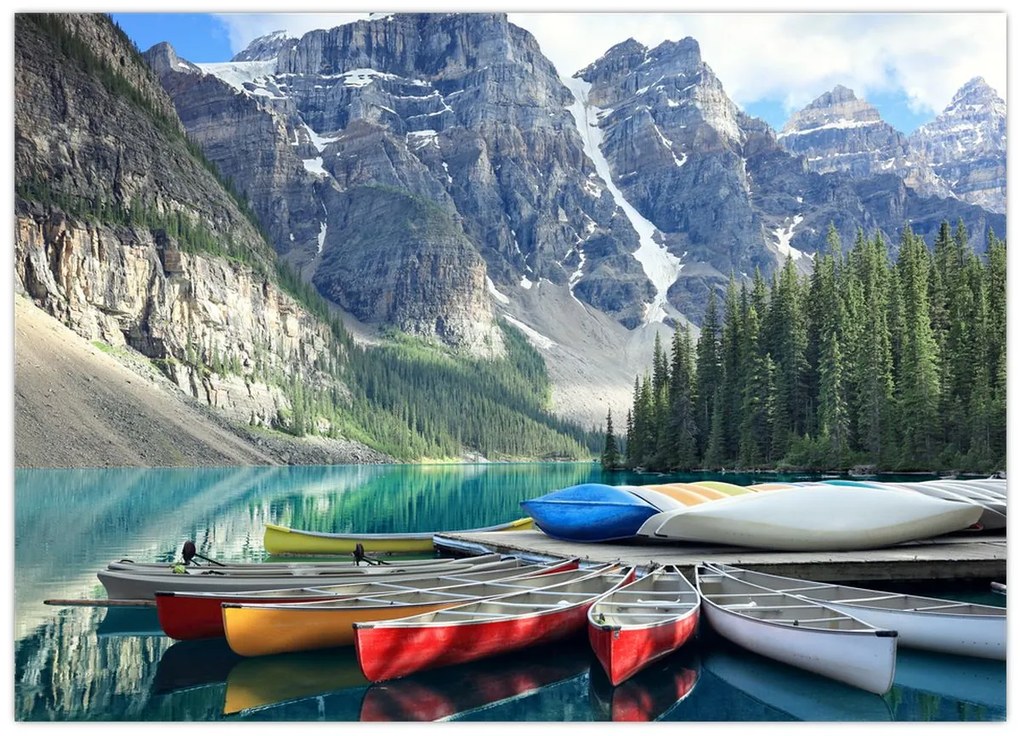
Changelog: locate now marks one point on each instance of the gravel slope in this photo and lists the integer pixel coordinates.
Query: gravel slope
(77, 406)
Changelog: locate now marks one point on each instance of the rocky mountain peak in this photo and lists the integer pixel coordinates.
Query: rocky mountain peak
(966, 144)
(976, 90)
(839, 107)
(162, 59)
(265, 47)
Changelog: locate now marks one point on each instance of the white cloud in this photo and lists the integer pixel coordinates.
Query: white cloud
(790, 58)
(794, 57)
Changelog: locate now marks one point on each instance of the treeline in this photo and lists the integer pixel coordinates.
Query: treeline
(901, 366)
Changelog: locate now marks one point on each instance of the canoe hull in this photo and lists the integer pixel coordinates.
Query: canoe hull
(624, 651)
(964, 635)
(186, 617)
(257, 631)
(282, 540)
(387, 653)
(590, 512)
(864, 660)
(819, 518)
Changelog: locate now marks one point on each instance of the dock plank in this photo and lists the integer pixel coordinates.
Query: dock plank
(950, 558)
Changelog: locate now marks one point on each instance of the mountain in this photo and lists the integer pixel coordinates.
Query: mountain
(722, 192)
(459, 115)
(839, 132)
(128, 235)
(966, 144)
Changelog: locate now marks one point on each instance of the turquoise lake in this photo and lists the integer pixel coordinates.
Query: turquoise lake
(95, 664)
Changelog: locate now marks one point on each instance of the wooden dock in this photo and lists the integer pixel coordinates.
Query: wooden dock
(950, 558)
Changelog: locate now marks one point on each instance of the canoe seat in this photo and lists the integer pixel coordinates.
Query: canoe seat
(796, 621)
(755, 607)
(650, 604)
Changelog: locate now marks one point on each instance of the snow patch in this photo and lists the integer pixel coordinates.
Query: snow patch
(496, 293)
(314, 165)
(237, 73)
(363, 77)
(661, 266)
(320, 142)
(526, 283)
(669, 147)
(841, 124)
(421, 138)
(537, 338)
(783, 237)
(322, 237)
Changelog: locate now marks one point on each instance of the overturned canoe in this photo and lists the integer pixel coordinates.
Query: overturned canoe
(590, 512)
(815, 518)
(282, 540)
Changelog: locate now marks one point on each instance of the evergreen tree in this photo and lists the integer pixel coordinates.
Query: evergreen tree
(610, 453)
(919, 388)
(708, 373)
(682, 428)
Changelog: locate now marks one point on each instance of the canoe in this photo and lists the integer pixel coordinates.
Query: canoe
(702, 491)
(654, 497)
(198, 615)
(684, 494)
(258, 629)
(730, 489)
(797, 631)
(132, 585)
(282, 540)
(288, 568)
(992, 517)
(648, 695)
(638, 624)
(936, 624)
(590, 512)
(814, 518)
(391, 649)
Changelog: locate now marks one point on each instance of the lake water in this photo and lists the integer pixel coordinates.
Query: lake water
(94, 664)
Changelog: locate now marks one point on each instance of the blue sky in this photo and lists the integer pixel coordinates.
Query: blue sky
(906, 64)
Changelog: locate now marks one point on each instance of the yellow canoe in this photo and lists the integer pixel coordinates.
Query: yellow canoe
(685, 494)
(282, 540)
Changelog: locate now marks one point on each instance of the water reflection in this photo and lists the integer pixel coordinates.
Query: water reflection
(453, 693)
(795, 693)
(649, 694)
(929, 686)
(260, 682)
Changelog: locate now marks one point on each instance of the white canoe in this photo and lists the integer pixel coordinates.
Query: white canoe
(289, 568)
(950, 627)
(815, 518)
(134, 585)
(798, 632)
(993, 514)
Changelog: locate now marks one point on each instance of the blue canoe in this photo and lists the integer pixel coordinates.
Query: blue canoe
(590, 512)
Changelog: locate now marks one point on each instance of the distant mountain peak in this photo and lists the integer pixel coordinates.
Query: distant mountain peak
(264, 47)
(837, 108)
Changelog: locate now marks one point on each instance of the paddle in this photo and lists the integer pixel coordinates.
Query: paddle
(188, 552)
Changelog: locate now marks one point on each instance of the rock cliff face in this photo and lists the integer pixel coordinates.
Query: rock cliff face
(460, 110)
(93, 149)
(967, 145)
(838, 132)
(717, 185)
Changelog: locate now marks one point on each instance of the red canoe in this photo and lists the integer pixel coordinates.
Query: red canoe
(199, 615)
(637, 624)
(400, 647)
